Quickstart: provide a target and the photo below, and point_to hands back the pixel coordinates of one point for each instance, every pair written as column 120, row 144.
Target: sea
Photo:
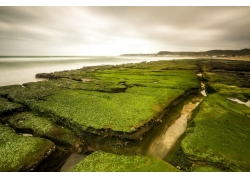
column 19, row 70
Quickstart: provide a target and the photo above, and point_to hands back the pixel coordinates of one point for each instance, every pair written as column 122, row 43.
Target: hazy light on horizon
column 113, row 31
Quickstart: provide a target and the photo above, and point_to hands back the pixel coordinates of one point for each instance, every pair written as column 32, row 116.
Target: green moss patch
column 204, row 168
column 230, row 90
column 43, row 127
column 166, row 65
column 19, row 153
column 118, row 98
column 174, row 79
column 32, row 92
column 119, row 101
column 106, row 162
column 117, row 111
column 229, row 84
column 220, row 135
column 7, row 107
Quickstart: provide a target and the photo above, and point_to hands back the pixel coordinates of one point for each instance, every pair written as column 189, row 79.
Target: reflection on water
column 71, row 162
column 240, row 102
column 19, row 70
column 161, row 146
column 203, row 92
column 168, row 139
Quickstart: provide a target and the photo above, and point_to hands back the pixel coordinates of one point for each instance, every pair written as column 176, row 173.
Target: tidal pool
column 240, row 102
column 71, row 162
column 163, row 144
column 203, row 91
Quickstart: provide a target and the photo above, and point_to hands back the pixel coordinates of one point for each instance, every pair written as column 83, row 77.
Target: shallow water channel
column 166, row 140
column 240, row 102
column 161, row 138
column 71, row 162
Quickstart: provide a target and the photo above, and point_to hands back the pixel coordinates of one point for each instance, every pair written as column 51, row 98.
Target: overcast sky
column 118, row 30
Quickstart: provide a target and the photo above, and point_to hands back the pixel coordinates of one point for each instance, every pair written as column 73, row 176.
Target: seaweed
column 100, row 161
column 20, row 153
column 220, row 135
column 43, row 127
column 7, row 107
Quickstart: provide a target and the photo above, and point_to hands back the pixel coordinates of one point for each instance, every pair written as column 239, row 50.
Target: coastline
column 97, row 108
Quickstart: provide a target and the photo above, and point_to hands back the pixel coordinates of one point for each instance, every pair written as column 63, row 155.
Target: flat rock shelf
column 120, row 115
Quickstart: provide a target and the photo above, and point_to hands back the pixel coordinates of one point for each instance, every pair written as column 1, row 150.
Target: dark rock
column 45, row 75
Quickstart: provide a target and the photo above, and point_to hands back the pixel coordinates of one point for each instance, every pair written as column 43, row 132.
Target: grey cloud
column 224, row 23
column 177, row 28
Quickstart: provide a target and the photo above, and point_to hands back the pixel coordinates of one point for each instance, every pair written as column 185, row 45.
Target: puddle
column 203, row 92
column 168, row 139
column 160, row 147
column 71, row 162
column 240, row 102
column 199, row 74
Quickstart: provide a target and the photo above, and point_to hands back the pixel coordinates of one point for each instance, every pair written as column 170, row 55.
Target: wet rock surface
column 121, row 109
column 219, row 136
column 20, row 153
column 106, row 162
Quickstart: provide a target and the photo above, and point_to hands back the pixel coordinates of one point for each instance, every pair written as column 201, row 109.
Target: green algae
column 119, row 112
column 229, row 90
column 7, row 107
column 167, row 65
column 128, row 98
column 33, row 91
column 19, row 153
column 204, row 168
column 224, row 65
column 240, row 79
column 42, row 127
column 106, row 162
column 220, row 135
column 174, row 79
column 229, row 84
column 141, row 144
column 119, row 98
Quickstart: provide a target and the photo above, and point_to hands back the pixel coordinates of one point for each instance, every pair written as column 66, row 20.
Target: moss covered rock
column 20, row 153
column 220, row 136
column 106, row 162
column 229, row 84
column 43, row 127
column 96, row 103
column 204, row 168
column 119, row 112
column 7, row 107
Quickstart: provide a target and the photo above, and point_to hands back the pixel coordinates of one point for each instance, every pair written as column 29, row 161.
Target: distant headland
column 222, row 53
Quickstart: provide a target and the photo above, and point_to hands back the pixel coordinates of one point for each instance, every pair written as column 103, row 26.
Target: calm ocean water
column 19, row 70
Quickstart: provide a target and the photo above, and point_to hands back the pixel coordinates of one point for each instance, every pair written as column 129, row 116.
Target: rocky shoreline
column 115, row 108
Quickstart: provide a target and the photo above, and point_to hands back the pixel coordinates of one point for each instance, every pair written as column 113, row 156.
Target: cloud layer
column 117, row 30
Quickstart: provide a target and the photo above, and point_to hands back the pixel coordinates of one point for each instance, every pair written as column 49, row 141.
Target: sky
column 115, row 30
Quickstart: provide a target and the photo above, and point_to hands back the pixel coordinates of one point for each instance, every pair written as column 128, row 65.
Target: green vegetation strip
column 119, row 98
column 8, row 107
column 117, row 111
column 147, row 94
column 106, row 162
column 43, row 127
column 204, row 168
column 33, row 91
column 234, row 85
column 20, row 153
column 174, row 79
column 232, row 91
column 220, row 135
